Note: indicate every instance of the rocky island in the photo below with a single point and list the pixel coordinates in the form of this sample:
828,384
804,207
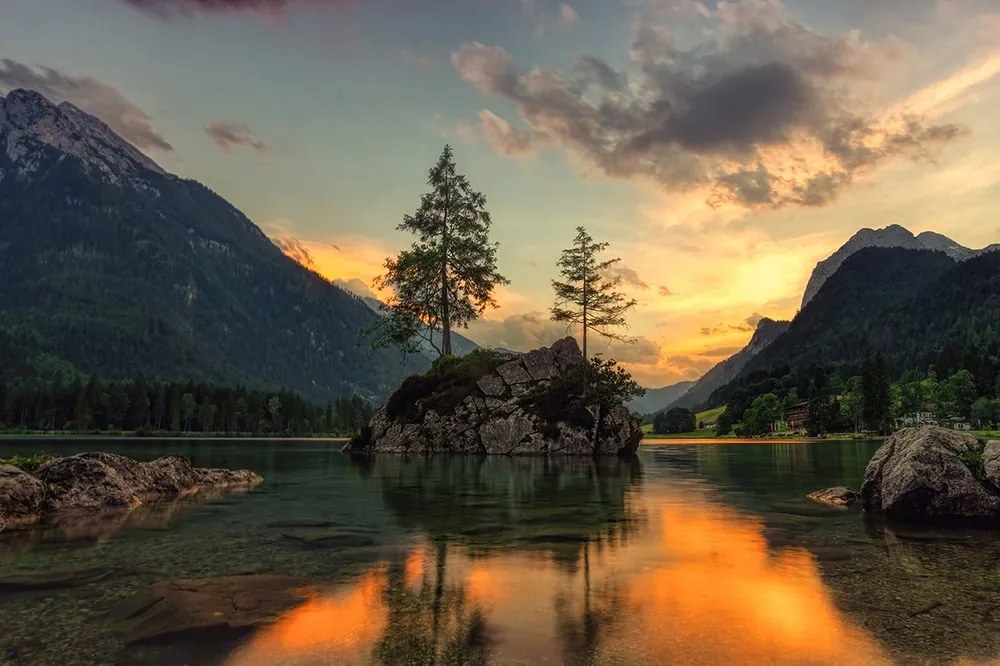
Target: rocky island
97,482
493,403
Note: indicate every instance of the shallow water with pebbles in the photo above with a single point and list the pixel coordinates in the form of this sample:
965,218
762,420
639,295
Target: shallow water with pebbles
704,553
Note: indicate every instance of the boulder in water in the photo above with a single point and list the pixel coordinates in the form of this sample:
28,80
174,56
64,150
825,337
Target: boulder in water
836,496
931,474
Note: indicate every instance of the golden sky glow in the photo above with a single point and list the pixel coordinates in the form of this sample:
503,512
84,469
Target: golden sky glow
886,110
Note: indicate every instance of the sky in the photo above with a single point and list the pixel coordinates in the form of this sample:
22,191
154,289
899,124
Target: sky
722,148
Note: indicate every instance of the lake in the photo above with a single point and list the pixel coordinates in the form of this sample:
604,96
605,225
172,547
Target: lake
693,553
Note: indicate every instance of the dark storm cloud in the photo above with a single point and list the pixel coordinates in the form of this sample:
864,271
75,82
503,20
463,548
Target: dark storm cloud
89,94
718,114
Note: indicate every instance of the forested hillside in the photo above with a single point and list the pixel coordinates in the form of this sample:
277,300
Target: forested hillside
109,265
913,310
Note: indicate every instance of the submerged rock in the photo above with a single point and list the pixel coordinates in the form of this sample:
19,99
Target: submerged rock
501,404
96,482
205,609
932,474
837,496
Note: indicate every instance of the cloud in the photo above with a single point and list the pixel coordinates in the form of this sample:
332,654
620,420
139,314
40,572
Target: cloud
754,319
683,365
628,275
168,8
357,287
296,249
91,95
638,351
721,352
229,136
721,329
504,139
763,112
664,291
519,332
568,15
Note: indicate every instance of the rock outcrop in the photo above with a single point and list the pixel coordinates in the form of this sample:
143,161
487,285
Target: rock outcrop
95,482
836,496
932,474
21,497
502,404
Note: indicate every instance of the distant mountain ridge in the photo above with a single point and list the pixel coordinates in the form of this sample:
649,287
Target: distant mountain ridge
891,236
657,399
699,395
915,308
109,264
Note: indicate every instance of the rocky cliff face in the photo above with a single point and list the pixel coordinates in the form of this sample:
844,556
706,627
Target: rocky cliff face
510,404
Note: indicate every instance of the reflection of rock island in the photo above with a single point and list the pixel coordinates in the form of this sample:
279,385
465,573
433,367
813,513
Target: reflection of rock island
551,504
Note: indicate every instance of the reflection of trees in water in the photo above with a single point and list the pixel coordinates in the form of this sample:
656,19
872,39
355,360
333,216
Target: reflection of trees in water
553,504
767,467
430,618
584,619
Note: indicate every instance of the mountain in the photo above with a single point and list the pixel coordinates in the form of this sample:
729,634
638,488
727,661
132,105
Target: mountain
111,265
658,398
699,395
891,236
916,308
460,344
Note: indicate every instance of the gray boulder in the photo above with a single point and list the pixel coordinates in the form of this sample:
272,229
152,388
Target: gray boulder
515,405
931,474
98,482
21,497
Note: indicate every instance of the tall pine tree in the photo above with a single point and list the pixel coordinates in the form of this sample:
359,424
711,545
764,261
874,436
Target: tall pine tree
447,277
589,296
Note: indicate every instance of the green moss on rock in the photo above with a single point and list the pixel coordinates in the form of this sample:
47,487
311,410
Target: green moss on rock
449,381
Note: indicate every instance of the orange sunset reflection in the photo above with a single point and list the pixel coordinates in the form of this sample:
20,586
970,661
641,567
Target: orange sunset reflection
341,627
700,585
727,598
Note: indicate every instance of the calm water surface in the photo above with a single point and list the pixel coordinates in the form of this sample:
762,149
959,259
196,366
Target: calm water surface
702,553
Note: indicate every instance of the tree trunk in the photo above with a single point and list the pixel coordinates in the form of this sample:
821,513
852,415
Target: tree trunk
586,306
445,304
445,316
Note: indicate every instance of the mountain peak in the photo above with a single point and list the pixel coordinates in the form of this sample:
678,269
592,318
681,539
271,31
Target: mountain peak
36,134
893,235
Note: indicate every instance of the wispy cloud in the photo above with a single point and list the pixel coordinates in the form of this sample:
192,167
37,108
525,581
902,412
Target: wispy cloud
169,8
230,136
91,95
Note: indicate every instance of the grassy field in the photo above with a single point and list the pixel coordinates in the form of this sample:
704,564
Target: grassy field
708,418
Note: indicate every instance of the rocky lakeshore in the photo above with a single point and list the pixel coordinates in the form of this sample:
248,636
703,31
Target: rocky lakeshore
929,475
98,482
490,403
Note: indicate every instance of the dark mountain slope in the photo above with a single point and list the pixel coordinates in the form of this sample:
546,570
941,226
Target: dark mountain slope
699,396
907,305
110,265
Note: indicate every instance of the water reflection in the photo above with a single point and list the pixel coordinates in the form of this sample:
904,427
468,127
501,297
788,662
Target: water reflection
650,577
